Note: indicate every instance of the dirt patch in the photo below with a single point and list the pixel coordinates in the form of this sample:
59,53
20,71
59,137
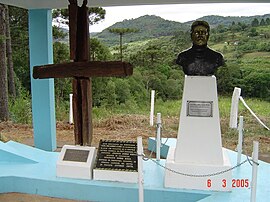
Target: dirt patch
129,127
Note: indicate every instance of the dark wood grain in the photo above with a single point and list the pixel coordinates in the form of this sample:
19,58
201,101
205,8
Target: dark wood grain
87,127
83,69
77,116
73,10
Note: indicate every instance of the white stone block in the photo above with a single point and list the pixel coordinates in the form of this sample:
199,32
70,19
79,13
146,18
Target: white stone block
76,162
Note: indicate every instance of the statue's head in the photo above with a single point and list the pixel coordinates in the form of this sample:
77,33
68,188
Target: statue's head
200,32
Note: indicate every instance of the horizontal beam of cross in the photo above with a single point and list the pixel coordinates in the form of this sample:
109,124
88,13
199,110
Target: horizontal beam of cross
83,69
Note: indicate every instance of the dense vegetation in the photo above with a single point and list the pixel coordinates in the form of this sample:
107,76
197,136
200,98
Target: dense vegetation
245,46
149,26
154,26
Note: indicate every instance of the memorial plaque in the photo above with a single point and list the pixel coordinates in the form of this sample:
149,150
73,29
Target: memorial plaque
200,108
117,155
76,155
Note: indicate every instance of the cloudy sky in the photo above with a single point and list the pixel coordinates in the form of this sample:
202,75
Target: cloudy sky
179,12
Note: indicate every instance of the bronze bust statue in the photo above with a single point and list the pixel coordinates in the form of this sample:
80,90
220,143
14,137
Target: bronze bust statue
200,60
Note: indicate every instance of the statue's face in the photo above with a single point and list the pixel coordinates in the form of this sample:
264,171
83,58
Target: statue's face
200,35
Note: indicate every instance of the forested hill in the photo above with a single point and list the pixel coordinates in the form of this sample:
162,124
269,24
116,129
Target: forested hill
151,26
215,20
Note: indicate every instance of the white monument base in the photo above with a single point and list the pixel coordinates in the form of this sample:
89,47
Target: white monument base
76,162
221,182
199,148
116,176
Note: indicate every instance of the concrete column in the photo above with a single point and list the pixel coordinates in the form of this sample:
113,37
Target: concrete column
43,102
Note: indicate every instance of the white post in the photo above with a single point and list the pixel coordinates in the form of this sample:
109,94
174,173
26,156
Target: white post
140,168
234,107
240,139
158,137
254,170
70,109
152,108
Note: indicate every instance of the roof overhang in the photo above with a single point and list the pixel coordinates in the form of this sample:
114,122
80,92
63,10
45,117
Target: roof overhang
50,4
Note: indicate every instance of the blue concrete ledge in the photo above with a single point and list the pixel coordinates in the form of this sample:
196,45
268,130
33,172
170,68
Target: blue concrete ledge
39,177
165,145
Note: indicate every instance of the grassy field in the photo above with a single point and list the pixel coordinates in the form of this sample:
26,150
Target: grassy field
170,111
128,121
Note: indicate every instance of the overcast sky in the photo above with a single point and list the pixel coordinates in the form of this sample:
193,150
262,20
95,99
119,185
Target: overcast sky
179,12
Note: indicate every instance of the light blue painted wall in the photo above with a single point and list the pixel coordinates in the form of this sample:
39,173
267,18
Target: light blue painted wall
43,103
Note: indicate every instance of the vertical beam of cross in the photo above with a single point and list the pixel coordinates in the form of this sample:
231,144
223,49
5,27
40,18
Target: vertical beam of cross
82,87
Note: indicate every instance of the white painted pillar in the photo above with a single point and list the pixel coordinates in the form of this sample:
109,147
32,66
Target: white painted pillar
70,109
158,137
140,168
240,139
152,107
255,155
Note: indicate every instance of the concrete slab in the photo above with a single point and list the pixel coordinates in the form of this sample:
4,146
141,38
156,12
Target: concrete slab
40,178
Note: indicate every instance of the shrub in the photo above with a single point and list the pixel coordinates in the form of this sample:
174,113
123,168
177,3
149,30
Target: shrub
20,108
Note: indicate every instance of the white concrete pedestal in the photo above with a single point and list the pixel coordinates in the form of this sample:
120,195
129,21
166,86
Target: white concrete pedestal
198,149
76,162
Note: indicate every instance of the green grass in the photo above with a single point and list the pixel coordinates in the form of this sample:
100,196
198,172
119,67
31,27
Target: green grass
172,108
255,55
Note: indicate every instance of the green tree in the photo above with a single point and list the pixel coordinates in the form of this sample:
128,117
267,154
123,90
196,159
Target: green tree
262,23
99,85
58,33
243,26
62,86
253,32
20,47
110,94
137,88
98,51
257,84
255,23
152,54
221,28
173,89
122,90
228,77
96,14
11,73
121,32
267,21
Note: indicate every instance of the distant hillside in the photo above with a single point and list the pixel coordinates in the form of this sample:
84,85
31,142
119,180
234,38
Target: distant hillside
149,26
215,20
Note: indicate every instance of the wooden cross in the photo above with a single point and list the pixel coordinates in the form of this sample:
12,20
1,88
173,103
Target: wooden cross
81,69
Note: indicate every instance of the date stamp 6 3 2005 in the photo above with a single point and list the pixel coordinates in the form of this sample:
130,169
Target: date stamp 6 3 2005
234,183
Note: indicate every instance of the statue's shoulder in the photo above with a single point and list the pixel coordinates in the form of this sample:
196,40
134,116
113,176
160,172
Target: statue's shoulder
185,53
217,55
183,56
